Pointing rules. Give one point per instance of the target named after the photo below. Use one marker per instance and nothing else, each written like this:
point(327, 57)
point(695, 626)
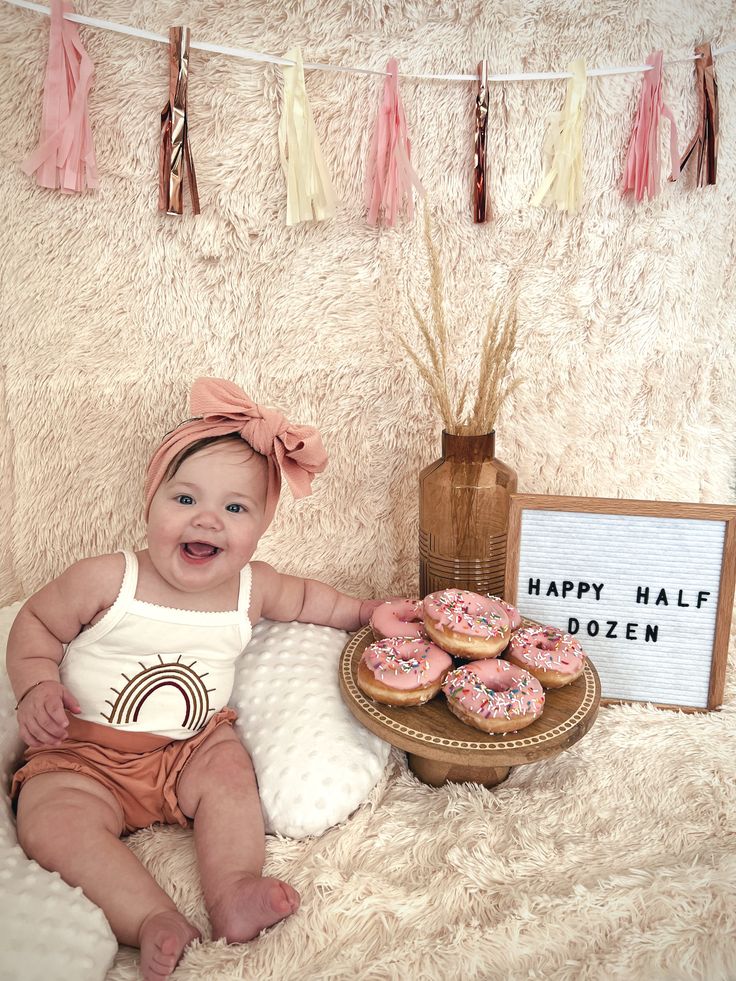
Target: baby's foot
point(250, 905)
point(162, 940)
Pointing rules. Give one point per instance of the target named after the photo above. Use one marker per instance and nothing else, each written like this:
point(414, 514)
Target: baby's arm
point(280, 597)
point(49, 619)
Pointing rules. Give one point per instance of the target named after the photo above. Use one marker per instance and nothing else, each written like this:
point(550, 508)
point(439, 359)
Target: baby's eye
point(185, 499)
point(236, 508)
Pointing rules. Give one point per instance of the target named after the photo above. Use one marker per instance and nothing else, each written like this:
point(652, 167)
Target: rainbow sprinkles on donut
point(467, 624)
point(553, 657)
point(494, 695)
point(403, 670)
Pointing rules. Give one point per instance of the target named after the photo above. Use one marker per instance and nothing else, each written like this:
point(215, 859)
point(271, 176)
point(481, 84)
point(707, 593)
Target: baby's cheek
point(162, 531)
point(246, 538)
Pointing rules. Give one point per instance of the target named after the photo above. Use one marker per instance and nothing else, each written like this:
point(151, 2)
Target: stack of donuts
point(471, 647)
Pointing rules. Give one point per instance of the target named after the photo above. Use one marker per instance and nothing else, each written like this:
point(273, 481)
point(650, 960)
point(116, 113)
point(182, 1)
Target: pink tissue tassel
point(65, 157)
point(642, 162)
point(390, 175)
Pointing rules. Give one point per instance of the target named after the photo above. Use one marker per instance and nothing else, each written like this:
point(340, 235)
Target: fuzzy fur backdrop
point(110, 309)
point(618, 858)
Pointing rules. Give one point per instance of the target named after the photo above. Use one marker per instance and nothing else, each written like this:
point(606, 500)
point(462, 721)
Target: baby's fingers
point(70, 701)
point(54, 720)
point(36, 735)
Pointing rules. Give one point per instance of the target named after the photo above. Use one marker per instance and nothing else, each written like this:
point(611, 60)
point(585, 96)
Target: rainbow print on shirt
point(194, 693)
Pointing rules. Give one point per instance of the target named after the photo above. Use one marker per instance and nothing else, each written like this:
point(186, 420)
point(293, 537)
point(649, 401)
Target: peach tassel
point(642, 171)
point(390, 177)
point(65, 158)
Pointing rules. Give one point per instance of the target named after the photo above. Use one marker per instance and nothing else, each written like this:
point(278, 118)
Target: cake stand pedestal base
point(436, 773)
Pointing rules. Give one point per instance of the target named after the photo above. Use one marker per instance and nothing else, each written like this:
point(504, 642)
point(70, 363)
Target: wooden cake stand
point(443, 749)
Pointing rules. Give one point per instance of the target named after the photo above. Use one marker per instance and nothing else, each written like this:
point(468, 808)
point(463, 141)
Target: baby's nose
point(207, 519)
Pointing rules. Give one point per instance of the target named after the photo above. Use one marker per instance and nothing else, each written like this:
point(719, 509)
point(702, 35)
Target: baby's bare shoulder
point(74, 598)
point(103, 571)
point(275, 595)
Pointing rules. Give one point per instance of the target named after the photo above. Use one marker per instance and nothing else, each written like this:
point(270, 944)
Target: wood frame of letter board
point(652, 509)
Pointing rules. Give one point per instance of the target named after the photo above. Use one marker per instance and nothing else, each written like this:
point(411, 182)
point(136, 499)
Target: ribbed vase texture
point(464, 502)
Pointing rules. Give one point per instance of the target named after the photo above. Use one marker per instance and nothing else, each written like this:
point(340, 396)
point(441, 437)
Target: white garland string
point(246, 54)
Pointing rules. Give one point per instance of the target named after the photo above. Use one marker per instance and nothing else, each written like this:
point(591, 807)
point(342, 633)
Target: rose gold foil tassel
point(176, 154)
point(480, 192)
point(704, 145)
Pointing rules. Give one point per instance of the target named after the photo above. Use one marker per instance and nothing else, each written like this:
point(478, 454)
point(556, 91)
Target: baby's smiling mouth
point(199, 550)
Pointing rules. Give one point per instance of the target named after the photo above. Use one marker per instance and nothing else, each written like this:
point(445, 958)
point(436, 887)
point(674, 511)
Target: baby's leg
point(70, 823)
point(218, 789)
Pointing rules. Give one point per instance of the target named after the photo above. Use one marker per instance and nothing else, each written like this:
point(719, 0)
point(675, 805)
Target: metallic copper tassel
point(479, 156)
point(705, 142)
point(176, 155)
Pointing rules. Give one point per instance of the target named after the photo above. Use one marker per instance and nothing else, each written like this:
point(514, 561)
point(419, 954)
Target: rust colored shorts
point(141, 770)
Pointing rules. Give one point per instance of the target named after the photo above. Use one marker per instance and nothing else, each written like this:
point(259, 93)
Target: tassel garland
point(309, 193)
point(390, 176)
point(65, 157)
point(704, 145)
point(642, 168)
point(563, 148)
point(176, 154)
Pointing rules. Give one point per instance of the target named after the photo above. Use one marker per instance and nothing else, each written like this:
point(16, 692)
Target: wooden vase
point(464, 502)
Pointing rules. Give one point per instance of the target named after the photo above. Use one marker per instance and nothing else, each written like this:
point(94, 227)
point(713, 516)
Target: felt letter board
point(646, 587)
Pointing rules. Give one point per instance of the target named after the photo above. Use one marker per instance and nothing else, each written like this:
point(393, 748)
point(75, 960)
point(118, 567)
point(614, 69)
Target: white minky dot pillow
point(314, 762)
point(315, 765)
point(48, 931)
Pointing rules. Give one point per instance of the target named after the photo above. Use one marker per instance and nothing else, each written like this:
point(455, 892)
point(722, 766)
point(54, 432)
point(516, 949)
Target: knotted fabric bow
point(221, 408)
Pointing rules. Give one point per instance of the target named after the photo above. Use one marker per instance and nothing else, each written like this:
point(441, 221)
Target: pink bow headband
point(220, 408)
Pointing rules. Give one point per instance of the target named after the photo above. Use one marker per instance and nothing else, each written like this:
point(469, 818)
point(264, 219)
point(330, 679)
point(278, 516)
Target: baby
point(123, 667)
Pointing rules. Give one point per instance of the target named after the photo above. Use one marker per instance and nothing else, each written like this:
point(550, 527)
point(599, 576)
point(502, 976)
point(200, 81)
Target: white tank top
point(148, 668)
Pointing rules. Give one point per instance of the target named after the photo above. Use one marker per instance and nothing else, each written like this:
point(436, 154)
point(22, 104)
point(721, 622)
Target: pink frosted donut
point(402, 670)
point(511, 611)
point(466, 624)
point(398, 618)
point(553, 657)
point(493, 695)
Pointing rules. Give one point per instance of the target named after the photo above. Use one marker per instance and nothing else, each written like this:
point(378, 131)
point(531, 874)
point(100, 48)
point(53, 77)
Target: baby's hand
point(366, 610)
point(41, 717)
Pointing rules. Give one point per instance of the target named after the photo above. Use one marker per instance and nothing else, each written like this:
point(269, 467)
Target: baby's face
point(204, 523)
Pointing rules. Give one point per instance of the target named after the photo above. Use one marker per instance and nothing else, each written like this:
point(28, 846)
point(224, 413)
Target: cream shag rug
point(616, 860)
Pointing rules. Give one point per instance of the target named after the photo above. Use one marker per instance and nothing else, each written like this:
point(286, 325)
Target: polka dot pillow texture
point(314, 762)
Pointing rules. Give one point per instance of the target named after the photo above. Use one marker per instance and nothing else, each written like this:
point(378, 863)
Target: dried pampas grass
point(497, 348)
